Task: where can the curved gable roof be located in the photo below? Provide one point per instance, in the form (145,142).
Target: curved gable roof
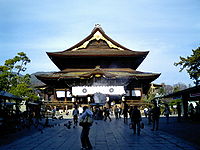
(94,48)
(98,35)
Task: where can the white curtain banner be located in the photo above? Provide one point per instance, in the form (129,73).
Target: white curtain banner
(85,90)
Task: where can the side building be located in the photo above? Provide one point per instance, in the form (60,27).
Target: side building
(96,70)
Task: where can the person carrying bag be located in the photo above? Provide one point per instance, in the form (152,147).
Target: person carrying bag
(135,120)
(86,120)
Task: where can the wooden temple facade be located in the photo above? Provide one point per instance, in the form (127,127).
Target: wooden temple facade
(95,70)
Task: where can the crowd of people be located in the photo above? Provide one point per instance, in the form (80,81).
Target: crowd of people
(124,111)
(152,113)
(104,113)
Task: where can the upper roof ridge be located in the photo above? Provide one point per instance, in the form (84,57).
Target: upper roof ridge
(97,34)
(97,26)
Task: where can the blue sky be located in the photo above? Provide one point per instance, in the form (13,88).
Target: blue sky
(168,29)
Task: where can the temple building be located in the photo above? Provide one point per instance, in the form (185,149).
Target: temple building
(96,70)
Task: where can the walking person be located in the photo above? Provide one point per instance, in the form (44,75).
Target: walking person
(80,109)
(155,117)
(167,112)
(75,114)
(120,112)
(130,111)
(135,119)
(106,114)
(146,112)
(86,124)
(125,112)
(116,112)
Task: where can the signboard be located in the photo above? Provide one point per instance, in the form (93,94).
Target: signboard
(195,95)
(68,94)
(60,94)
(136,93)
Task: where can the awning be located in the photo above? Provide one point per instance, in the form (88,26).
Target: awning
(7,95)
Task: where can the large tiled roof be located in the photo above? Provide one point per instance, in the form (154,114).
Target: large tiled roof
(98,52)
(106,73)
(98,43)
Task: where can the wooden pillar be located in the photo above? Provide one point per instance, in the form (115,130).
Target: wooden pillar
(65,95)
(185,98)
(54,94)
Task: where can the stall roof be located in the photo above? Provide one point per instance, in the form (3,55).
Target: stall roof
(192,92)
(7,95)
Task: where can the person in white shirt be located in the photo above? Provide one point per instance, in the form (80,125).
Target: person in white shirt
(80,109)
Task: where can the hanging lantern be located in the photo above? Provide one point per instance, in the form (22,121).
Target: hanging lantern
(123,98)
(89,99)
(107,99)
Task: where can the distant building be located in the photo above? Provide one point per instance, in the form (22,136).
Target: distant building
(95,70)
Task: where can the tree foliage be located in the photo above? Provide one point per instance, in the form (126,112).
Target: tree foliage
(179,86)
(168,89)
(192,65)
(164,90)
(12,80)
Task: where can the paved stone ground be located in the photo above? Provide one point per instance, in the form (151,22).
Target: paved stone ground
(114,135)
(186,129)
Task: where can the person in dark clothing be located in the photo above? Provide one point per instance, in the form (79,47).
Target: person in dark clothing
(75,114)
(125,112)
(135,119)
(106,114)
(130,111)
(120,112)
(155,117)
(116,112)
(167,112)
(85,141)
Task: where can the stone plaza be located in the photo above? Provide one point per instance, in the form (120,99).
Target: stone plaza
(104,135)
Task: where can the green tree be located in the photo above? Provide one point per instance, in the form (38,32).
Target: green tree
(165,89)
(154,91)
(192,65)
(179,86)
(12,80)
(4,74)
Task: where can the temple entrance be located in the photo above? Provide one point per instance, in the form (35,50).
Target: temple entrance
(97,94)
